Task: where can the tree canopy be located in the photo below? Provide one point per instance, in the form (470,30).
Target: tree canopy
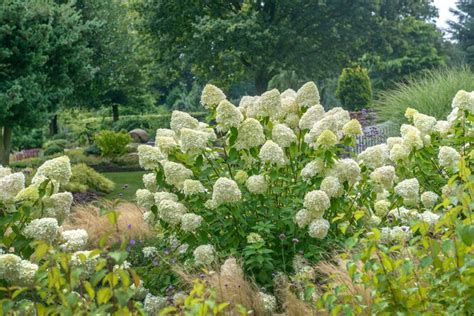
(463,29)
(228,41)
(43,58)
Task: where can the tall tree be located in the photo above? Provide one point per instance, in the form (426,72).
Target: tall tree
(119,55)
(228,41)
(463,29)
(43,58)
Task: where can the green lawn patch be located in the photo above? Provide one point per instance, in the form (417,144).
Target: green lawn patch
(126,183)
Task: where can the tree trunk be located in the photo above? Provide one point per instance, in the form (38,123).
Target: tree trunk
(53,125)
(5,145)
(261,82)
(115,112)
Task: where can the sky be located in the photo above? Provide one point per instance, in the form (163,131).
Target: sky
(443,12)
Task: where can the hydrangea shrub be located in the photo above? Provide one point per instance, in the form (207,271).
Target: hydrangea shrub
(281,167)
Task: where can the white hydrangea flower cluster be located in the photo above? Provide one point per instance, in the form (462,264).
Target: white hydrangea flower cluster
(250,134)
(149,157)
(17,271)
(46,229)
(204,255)
(448,157)
(176,174)
(74,240)
(190,222)
(375,156)
(57,170)
(429,199)
(227,116)
(333,121)
(307,95)
(332,187)
(193,141)
(311,116)
(318,228)
(347,170)
(10,185)
(268,104)
(430,218)
(144,198)
(171,212)
(303,217)
(316,201)
(409,190)
(211,96)
(382,208)
(165,140)
(180,120)
(225,191)
(395,234)
(312,169)
(384,176)
(257,184)
(149,181)
(403,214)
(272,154)
(269,302)
(283,135)
(152,304)
(58,205)
(192,187)
(464,101)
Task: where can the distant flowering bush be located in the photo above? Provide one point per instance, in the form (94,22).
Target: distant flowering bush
(280,166)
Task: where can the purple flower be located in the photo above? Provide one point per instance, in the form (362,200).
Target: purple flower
(132,242)
(129,226)
(155,262)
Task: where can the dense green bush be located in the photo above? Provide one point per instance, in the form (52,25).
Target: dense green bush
(354,88)
(86,176)
(430,94)
(26,138)
(112,144)
(53,149)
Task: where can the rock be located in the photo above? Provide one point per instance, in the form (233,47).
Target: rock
(139,135)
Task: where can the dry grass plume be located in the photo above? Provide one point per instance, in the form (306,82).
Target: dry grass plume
(88,217)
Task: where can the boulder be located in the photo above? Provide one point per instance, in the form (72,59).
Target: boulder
(139,135)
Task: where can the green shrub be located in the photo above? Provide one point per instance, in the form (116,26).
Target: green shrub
(354,88)
(430,94)
(53,149)
(25,138)
(76,187)
(85,175)
(92,150)
(112,144)
(63,143)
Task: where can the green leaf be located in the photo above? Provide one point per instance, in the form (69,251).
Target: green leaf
(104,295)
(467,234)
